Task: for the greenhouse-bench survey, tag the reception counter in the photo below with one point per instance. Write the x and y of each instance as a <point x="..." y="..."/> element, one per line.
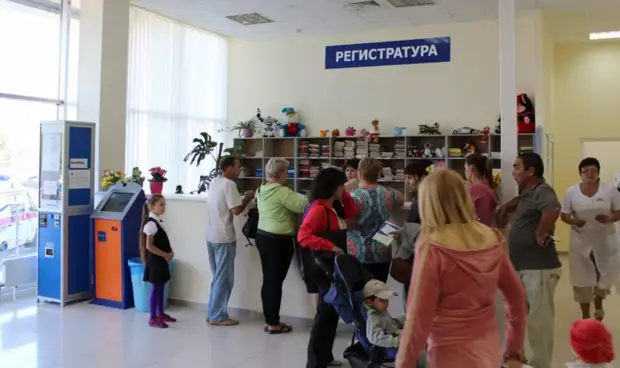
<point x="185" y="222"/>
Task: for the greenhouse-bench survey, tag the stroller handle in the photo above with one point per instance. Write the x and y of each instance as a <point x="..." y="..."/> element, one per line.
<point x="325" y="261"/>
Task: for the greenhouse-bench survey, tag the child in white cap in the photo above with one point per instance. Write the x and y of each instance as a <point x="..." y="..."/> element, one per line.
<point x="381" y="329"/>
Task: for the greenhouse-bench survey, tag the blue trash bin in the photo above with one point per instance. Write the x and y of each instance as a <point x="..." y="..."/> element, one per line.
<point x="142" y="289"/>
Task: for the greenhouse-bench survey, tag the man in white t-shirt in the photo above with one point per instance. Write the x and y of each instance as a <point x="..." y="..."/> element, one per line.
<point x="223" y="203"/>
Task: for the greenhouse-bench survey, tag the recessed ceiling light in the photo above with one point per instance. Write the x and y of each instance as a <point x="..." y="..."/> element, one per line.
<point x="407" y="3"/>
<point x="249" y="19"/>
<point x="604" y="35"/>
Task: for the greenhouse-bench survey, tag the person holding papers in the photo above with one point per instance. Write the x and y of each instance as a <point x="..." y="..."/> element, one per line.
<point x="591" y="208"/>
<point x="375" y="203"/>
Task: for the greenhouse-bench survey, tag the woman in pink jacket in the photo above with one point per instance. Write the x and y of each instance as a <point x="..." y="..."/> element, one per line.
<point x="460" y="264"/>
<point x="479" y="174"/>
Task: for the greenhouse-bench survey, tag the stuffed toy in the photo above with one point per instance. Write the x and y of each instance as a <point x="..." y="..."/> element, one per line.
<point x="291" y="126"/>
<point x="526" y="121"/>
<point x="374" y="135"/>
<point x="350" y="132"/>
<point x="336" y="133"/>
<point x="324" y="133"/>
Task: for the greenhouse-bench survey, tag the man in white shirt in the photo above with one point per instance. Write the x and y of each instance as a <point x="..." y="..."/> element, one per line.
<point x="223" y="202"/>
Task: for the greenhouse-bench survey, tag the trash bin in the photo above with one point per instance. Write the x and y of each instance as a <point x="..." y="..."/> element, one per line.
<point x="142" y="289"/>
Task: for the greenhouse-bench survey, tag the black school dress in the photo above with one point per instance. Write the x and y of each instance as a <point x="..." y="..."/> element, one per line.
<point x="157" y="270"/>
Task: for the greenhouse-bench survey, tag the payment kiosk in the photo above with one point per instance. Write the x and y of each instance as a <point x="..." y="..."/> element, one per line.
<point x="116" y="236"/>
<point x="65" y="205"/>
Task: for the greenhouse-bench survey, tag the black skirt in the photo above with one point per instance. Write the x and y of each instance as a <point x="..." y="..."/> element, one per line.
<point x="157" y="270"/>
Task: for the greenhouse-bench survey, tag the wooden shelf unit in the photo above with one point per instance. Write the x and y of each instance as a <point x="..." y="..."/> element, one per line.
<point x="257" y="151"/>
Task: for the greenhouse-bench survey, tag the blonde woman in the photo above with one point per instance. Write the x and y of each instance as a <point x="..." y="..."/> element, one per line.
<point x="459" y="265"/>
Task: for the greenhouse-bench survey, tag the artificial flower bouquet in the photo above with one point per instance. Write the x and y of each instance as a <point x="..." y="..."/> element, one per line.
<point x="111" y="177"/>
<point x="136" y="176"/>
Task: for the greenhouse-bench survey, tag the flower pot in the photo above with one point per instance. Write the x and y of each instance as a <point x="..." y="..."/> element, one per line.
<point x="157" y="187"/>
<point x="248" y="133"/>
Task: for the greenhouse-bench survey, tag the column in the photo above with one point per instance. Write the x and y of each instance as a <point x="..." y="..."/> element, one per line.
<point x="102" y="78"/>
<point x="508" y="93"/>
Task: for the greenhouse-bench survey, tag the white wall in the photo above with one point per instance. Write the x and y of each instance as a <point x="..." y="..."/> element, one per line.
<point x="464" y="92"/>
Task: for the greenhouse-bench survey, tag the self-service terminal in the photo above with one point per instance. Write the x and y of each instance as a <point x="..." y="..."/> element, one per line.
<point x="65" y="205"/>
<point x="116" y="236"/>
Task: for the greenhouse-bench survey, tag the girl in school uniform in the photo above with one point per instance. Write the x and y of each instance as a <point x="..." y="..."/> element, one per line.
<point x="156" y="253"/>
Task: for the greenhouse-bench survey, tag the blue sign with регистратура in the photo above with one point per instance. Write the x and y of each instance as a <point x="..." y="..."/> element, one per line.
<point x="361" y="55"/>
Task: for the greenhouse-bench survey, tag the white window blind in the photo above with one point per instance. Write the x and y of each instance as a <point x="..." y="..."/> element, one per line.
<point x="176" y="89"/>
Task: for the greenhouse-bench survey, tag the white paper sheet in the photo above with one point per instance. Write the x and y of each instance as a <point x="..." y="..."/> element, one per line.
<point x="384" y="235"/>
<point x="79" y="179"/>
<point x="51" y="146"/>
<point x="50" y="188"/>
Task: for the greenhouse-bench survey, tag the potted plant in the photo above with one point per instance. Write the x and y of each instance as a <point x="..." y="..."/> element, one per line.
<point x="136" y="177"/>
<point x="111" y="177"/>
<point x="204" y="146"/>
<point x="246" y="128"/>
<point x="157" y="179"/>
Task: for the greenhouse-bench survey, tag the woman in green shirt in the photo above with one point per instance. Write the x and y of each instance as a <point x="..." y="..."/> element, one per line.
<point x="278" y="208"/>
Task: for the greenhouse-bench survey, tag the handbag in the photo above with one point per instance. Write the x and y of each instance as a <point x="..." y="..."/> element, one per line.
<point x="401" y="270"/>
<point x="250" y="228"/>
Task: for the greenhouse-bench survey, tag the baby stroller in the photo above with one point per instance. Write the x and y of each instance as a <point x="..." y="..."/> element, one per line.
<point x="348" y="278"/>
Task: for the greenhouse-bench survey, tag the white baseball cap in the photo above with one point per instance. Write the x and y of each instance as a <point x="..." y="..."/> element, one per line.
<point x="378" y="289"/>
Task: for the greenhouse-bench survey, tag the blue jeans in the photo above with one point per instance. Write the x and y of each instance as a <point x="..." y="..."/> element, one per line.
<point x="222" y="262"/>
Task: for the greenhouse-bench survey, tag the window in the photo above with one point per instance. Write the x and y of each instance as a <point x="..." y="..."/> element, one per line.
<point x="176" y="89"/>
<point x="30" y="40"/>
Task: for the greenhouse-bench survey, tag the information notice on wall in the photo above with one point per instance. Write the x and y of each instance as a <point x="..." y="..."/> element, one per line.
<point x="419" y="51"/>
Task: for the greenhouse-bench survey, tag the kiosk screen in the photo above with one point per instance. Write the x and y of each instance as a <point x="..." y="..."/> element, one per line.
<point x="117" y="202"/>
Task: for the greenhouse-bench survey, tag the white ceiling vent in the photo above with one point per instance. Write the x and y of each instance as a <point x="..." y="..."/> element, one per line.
<point x="408" y="3"/>
<point x="249" y="19"/>
<point x="364" y="4"/>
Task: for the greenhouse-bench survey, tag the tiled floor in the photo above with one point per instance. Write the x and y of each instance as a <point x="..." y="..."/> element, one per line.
<point x="83" y="336"/>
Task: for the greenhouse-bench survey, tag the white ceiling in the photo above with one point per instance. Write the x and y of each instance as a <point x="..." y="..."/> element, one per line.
<point x="326" y="17"/>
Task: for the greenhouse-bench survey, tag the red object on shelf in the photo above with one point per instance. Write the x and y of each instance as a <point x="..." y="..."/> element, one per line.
<point x="157" y="187"/>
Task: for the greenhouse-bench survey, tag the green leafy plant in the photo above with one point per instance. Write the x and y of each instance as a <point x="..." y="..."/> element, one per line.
<point x="203" y="148"/>
<point x="249" y="124"/>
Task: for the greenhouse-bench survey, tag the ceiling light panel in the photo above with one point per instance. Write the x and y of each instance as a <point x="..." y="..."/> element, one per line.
<point x="408" y="3"/>
<point x="604" y="35"/>
<point x="249" y="19"/>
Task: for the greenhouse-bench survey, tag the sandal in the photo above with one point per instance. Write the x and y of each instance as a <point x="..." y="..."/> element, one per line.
<point x="157" y="323"/>
<point x="599" y="314"/>
<point x="167" y="318"/>
<point x="283" y="328"/>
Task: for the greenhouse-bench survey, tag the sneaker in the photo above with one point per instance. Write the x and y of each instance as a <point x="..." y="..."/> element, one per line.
<point x="168" y="318"/>
<point x="225" y="323"/>
<point x="157" y="323"/>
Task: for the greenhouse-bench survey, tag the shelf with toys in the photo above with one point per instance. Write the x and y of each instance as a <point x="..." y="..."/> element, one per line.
<point x="308" y="155"/>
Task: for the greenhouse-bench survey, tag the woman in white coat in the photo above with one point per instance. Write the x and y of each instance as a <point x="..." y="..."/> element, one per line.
<point x="591" y="208"/>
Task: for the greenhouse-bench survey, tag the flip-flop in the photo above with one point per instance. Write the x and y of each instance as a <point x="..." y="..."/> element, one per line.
<point x="284" y="328"/>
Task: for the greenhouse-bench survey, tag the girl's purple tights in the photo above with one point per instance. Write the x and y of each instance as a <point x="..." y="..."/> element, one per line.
<point x="157" y="301"/>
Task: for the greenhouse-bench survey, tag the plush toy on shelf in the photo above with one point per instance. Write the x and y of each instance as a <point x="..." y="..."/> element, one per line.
<point x="374" y="135"/>
<point x="525" y="114"/>
<point x="485" y="135"/>
<point x="336" y="133"/>
<point x="270" y="123"/>
<point x="292" y="127"/>
<point x="350" y="132"/>
<point x="364" y="133"/>
<point x="323" y="133"/>
<point x="428" y="152"/>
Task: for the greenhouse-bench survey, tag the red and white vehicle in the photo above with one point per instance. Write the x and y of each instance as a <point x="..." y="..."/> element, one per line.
<point x="18" y="219"/>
